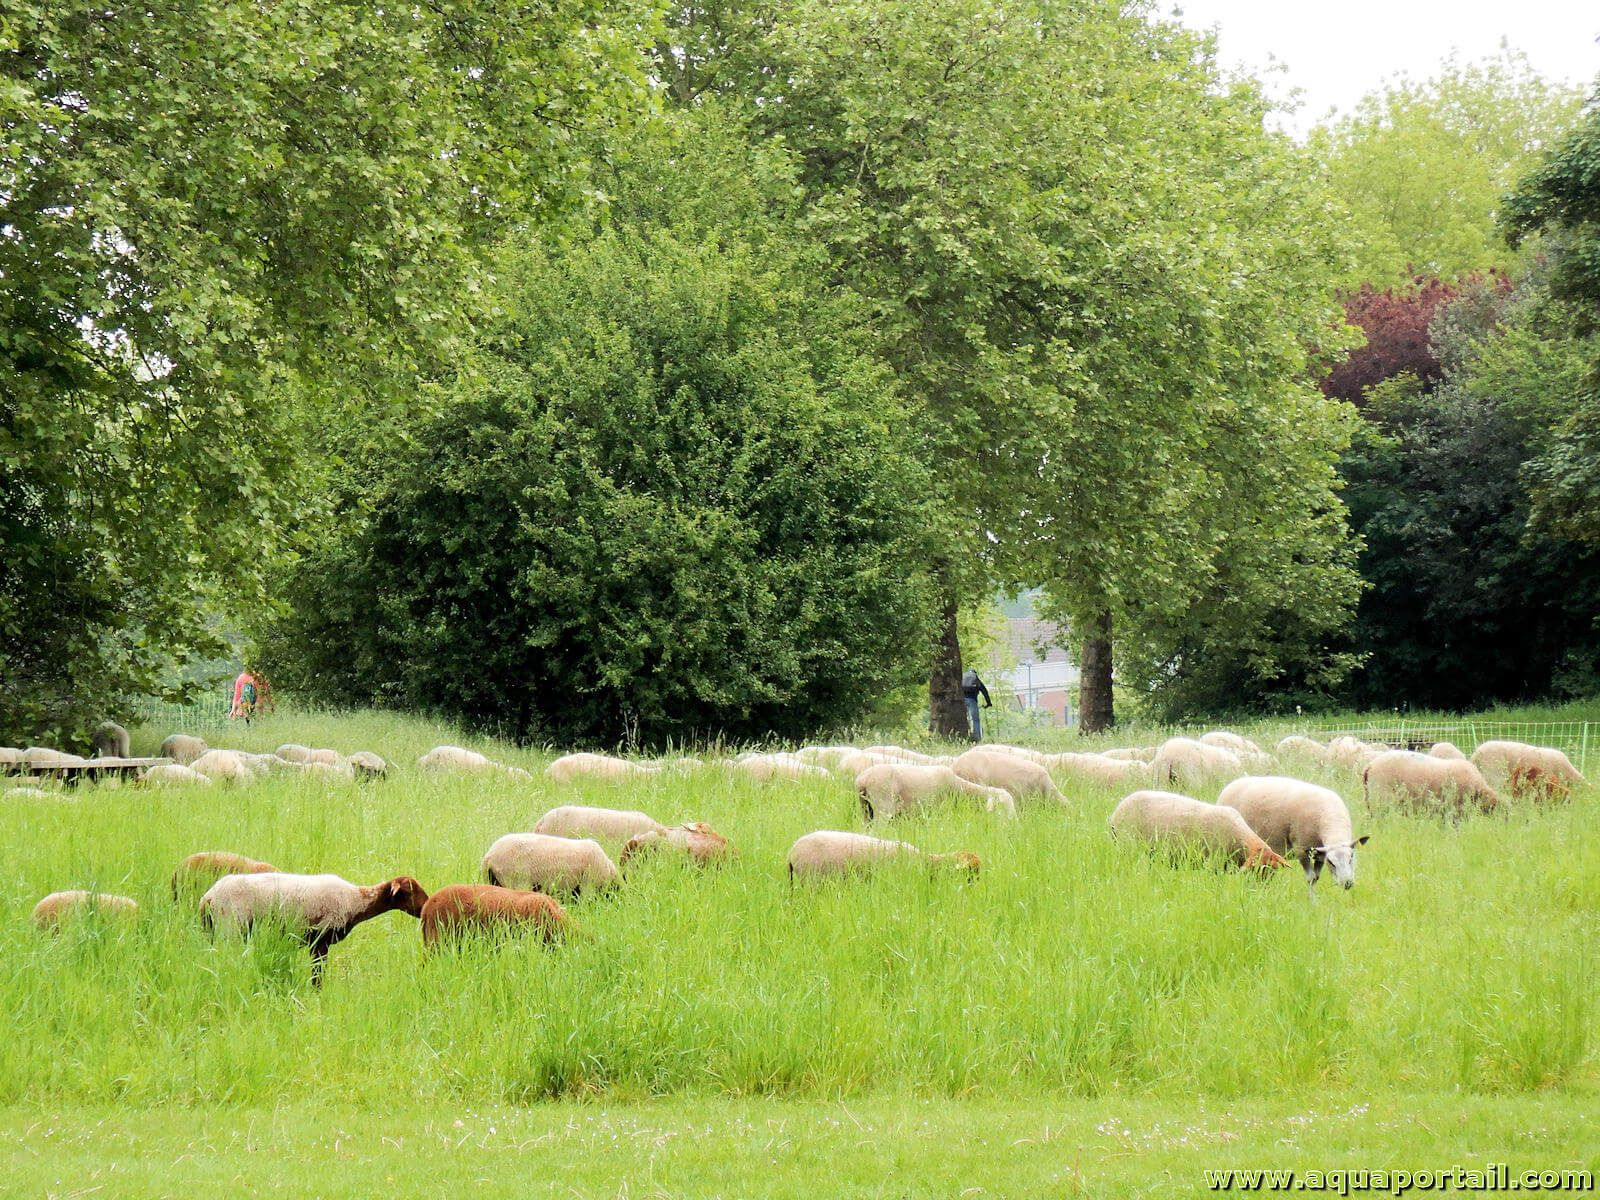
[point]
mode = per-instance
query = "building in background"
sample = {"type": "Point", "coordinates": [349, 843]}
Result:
{"type": "Point", "coordinates": [1044, 678]}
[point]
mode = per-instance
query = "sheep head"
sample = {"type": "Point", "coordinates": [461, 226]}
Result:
{"type": "Point", "coordinates": [406, 894]}
{"type": "Point", "coordinates": [1264, 858]}
{"type": "Point", "coordinates": [1340, 859]}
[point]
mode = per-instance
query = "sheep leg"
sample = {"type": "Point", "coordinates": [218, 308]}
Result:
{"type": "Point", "coordinates": [319, 959]}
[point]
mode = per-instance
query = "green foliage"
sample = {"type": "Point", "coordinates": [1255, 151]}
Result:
{"type": "Point", "coordinates": [669, 497]}
{"type": "Point", "coordinates": [202, 200]}
{"type": "Point", "coordinates": [1422, 167]}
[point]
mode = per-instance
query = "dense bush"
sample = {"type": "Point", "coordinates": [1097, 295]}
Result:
{"type": "Point", "coordinates": [668, 498]}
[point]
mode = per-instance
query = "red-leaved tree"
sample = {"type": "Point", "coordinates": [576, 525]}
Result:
{"type": "Point", "coordinates": [1396, 321]}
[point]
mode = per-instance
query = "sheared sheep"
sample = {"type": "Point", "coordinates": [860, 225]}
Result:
{"type": "Point", "coordinates": [174, 773]}
{"type": "Point", "coordinates": [1498, 759]}
{"type": "Point", "coordinates": [607, 824]}
{"type": "Point", "coordinates": [110, 740]}
{"type": "Point", "coordinates": [319, 910]}
{"type": "Point", "coordinates": [1023, 779]}
{"type": "Point", "coordinates": [199, 871]}
{"type": "Point", "coordinates": [459, 907]}
{"type": "Point", "coordinates": [1300, 819]}
{"type": "Point", "coordinates": [182, 749]}
{"type": "Point", "coordinates": [1422, 781]}
{"type": "Point", "coordinates": [1187, 762]}
{"type": "Point", "coordinates": [1098, 770]}
{"type": "Point", "coordinates": [58, 906]}
{"type": "Point", "coordinates": [456, 758]}
{"type": "Point", "coordinates": [225, 766]}
{"type": "Point", "coordinates": [538, 862]}
{"type": "Point", "coordinates": [829, 852]}
{"type": "Point", "coordinates": [703, 844]}
{"type": "Point", "coordinates": [764, 768]}
{"type": "Point", "coordinates": [572, 767]}
{"type": "Point", "coordinates": [890, 789]}
{"type": "Point", "coordinates": [1169, 821]}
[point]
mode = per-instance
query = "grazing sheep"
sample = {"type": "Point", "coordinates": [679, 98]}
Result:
{"type": "Point", "coordinates": [1347, 751]}
{"type": "Point", "coordinates": [703, 844]}
{"type": "Point", "coordinates": [1536, 784]}
{"type": "Point", "coordinates": [1300, 819]}
{"type": "Point", "coordinates": [460, 907]}
{"type": "Point", "coordinates": [1498, 759]}
{"type": "Point", "coordinates": [1099, 771]}
{"type": "Point", "coordinates": [824, 756]}
{"type": "Point", "coordinates": [765, 768]}
{"type": "Point", "coordinates": [830, 853]}
{"type": "Point", "coordinates": [889, 789]}
{"type": "Point", "coordinates": [199, 871]}
{"type": "Point", "coordinates": [537, 862]}
{"type": "Point", "coordinates": [1422, 781]}
{"type": "Point", "coordinates": [110, 740]}
{"type": "Point", "coordinates": [1023, 779]}
{"type": "Point", "coordinates": [58, 906]}
{"type": "Point", "coordinates": [455, 758]}
{"type": "Point", "coordinates": [1296, 746]}
{"type": "Point", "coordinates": [1240, 745]}
{"type": "Point", "coordinates": [518, 774]}
{"type": "Point", "coordinates": [1446, 750]}
{"type": "Point", "coordinates": [1166, 820]}
{"type": "Point", "coordinates": [173, 773]}
{"type": "Point", "coordinates": [46, 756]}
{"type": "Point", "coordinates": [332, 757]}
{"type": "Point", "coordinates": [610, 824]}
{"type": "Point", "coordinates": [1033, 756]}
{"type": "Point", "coordinates": [1188, 762]}
{"type": "Point", "coordinates": [319, 910]}
{"type": "Point", "coordinates": [911, 756]}
{"type": "Point", "coordinates": [293, 752]}
{"type": "Point", "coordinates": [368, 765]}
{"type": "Point", "coordinates": [225, 766]}
{"type": "Point", "coordinates": [1132, 754]}
{"type": "Point", "coordinates": [182, 749]}
{"type": "Point", "coordinates": [325, 770]}
{"type": "Point", "coordinates": [848, 766]}
{"type": "Point", "coordinates": [570, 768]}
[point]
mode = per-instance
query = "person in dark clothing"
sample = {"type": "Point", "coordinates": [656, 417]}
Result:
{"type": "Point", "coordinates": [971, 688]}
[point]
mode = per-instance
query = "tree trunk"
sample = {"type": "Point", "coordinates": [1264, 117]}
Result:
{"type": "Point", "coordinates": [1094, 685]}
{"type": "Point", "coordinates": [947, 711]}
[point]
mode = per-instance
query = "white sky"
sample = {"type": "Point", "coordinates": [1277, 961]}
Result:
{"type": "Point", "coordinates": [1337, 52]}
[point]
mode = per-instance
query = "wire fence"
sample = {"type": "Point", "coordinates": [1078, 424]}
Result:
{"type": "Point", "coordinates": [1579, 739]}
{"type": "Point", "coordinates": [209, 714]}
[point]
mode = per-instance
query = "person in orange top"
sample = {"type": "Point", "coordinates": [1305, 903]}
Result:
{"type": "Point", "coordinates": [251, 695]}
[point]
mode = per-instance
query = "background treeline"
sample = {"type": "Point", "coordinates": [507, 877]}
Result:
{"type": "Point", "coordinates": [639, 375]}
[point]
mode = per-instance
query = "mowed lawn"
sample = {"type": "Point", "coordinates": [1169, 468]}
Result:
{"type": "Point", "coordinates": [1079, 1020]}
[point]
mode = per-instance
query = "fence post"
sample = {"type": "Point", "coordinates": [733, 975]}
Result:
{"type": "Point", "coordinates": [1583, 751]}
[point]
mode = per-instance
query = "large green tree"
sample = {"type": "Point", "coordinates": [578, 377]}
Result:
{"type": "Point", "coordinates": [1087, 259]}
{"type": "Point", "coordinates": [1423, 166]}
{"type": "Point", "coordinates": [200, 203]}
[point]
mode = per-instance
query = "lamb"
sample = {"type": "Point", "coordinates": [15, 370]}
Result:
{"type": "Point", "coordinates": [609, 824]}
{"type": "Point", "coordinates": [110, 740]}
{"type": "Point", "coordinates": [538, 862]}
{"type": "Point", "coordinates": [174, 773]}
{"type": "Point", "coordinates": [1167, 820]}
{"type": "Point", "coordinates": [704, 845]}
{"type": "Point", "coordinates": [1498, 759]}
{"type": "Point", "coordinates": [458, 907]}
{"type": "Point", "coordinates": [58, 906]}
{"type": "Point", "coordinates": [1446, 750]}
{"type": "Point", "coordinates": [832, 853]}
{"type": "Point", "coordinates": [182, 749]}
{"type": "Point", "coordinates": [1298, 818]}
{"type": "Point", "coordinates": [1188, 762]}
{"type": "Point", "coordinates": [571, 767]}
{"type": "Point", "coordinates": [1419, 780]}
{"type": "Point", "coordinates": [319, 910]}
{"type": "Point", "coordinates": [208, 866]}
{"type": "Point", "coordinates": [368, 765]}
{"type": "Point", "coordinates": [889, 789]}
{"type": "Point", "coordinates": [225, 766]}
{"type": "Point", "coordinates": [764, 768]}
{"type": "Point", "coordinates": [1000, 770]}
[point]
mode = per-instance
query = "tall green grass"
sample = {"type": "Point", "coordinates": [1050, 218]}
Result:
{"type": "Point", "coordinates": [1463, 959]}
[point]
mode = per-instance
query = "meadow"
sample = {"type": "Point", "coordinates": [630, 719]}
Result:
{"type": "Point", "coordinates": [1446, 1004]}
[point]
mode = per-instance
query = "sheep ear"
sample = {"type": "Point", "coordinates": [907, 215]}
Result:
{"type": "Point", "coordinates": [1362, 840]}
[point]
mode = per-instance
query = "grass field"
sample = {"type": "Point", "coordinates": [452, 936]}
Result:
{"type": "Point", "coordinates": [898, 1036]}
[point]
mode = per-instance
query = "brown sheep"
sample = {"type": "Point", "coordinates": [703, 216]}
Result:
{"type": "Point", "coordinates": [199, 871]}
{"type": "Point", "coordinates": [459, 907]}
{"type": "Point", "coordinates": [58, 906]}
{"type": "Point", "coordinates": [1528, 782]}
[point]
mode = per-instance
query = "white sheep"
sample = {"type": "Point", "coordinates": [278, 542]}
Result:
{"type": "Point", "coordinates": [110, 740]}
{"type": "Point", "coordinates": [293, 752]}
{"type": "Point", "coordinates": [848, 766]}
{"type": "Point", "coordinates": [1297, 746]}
{"type": "Point", "coordinates": [832, 853]}
{"type": "Point", "coordinates": [319, 910]}
{"type": "Point", "coordinates": [1525, 768]}
{"type": "Point", "coordinates": [570, 768]}
{"type": "Point", "coordinates": [368, 764]}
{"type": "Point", "coordinates": [40, 756]}
{"type": "Point", "coordinates": [890, 789]}
{"type": "Point", "coordinates": [58, 906]}
{"type": "Point", "coordinates": [1445, 750]}
{"type": "Point", "coordinates": [174, 774]}
{"type": "Point", "coordinates": [1022, 778]}
{"type": "Point", "coordinates": [1187, 762]}
{"type": "Point", "coordinates": [1228, 740]}
{"type": "Point", "coordinates": [1420, 780]}
{"type": "Point", "coordinates": [182, 748]}
{"type": "Point", "coordinates": [456, 758]}
{"type": "Point", "coordinates": [225, 766]}
{"type": "Point", "coordinates": [765, 768]}
{"type": "Point", "coordinates": [538, 862]}
{"type": "Point", "coordinates": [1347, 751]}
{"type": "Point", "coordinates": [610, 824]}
{"type": "Point", "coordinates": [824, 756]}
{"type": "Point", "coordinates": [1099, 770]}
{"type": "Point", "coordinates": [1298, 819]}
{"type": "Point", "coordinates": [911, 756]}
{"type": "Point", "coordinates": [1169, 821]}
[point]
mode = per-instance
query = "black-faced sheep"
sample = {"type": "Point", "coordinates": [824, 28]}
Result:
{"type": "Point", "coordinates": [319, 910]}
{"type": "Point", "coordinates": [1298, 819]}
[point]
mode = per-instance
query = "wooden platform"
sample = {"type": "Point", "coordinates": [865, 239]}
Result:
{"type": "Point", "coordinates": [75, 772]}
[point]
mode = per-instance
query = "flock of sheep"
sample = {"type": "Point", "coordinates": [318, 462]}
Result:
{"type": "Point", "coordinates": [1259, 821]}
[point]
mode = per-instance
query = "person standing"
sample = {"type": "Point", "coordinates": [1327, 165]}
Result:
{"type": "Point", "coordinates": [250, 696]}
{"type": "Point", "coordinates": [971, 688]}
